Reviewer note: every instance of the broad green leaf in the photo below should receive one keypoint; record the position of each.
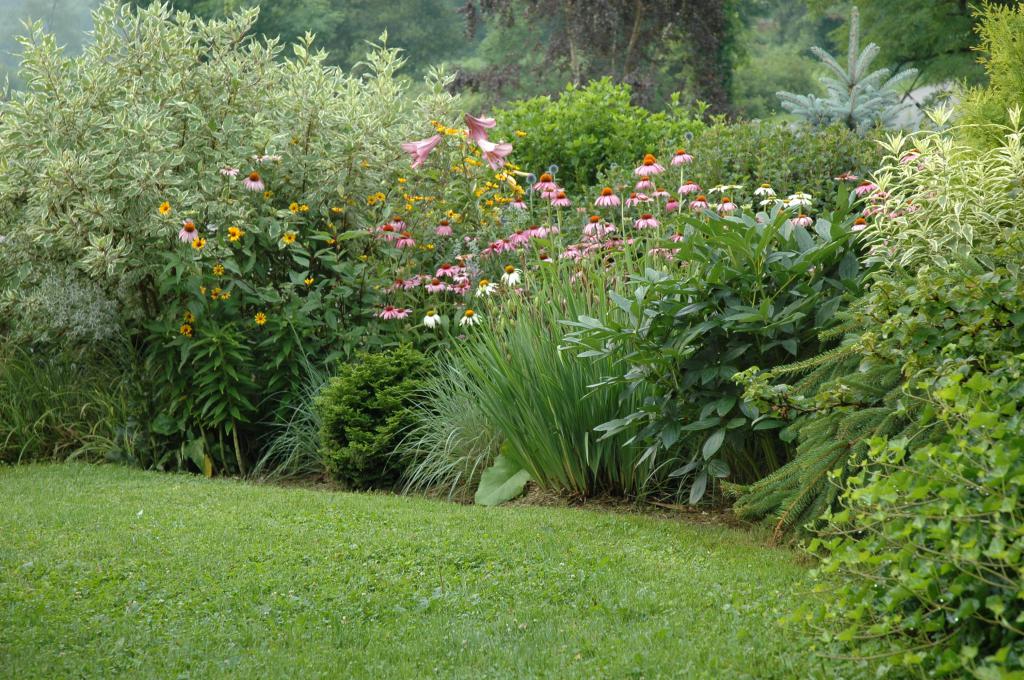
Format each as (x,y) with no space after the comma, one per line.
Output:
(501,482)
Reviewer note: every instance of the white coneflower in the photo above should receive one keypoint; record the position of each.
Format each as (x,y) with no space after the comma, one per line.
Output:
(469,318)
(764,190)
(432,319)
(722,188)
(799,199)
(485,287)
(512,276)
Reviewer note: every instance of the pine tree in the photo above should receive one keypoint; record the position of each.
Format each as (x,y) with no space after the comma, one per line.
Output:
(849,397)
(856,97)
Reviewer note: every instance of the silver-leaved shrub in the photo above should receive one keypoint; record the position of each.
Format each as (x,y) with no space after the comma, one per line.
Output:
(157,104)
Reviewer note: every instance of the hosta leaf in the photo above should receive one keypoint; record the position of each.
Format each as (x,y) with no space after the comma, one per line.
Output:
(501,482)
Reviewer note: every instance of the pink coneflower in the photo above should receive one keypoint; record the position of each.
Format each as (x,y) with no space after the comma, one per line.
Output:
(865,187)
(494,153)
(846,177)
(188,232)
(666,253)
(517,203)
(461,285)
(413,282)
(406,240)
(561,200)
(545,183)
(910,156)
(435,285)
(649,167)
(519,237)
(419,150)
(636,199)
(444,228)
(672,205)
(646,221)
(644,185)
(390,313)
(802,220)
(659,193)
(681,157)
(448,270)
(536,231)
(570,253)
(859,224)
(593,226)
(726,206)
(543,256)
(700,203)
(688,187)
(387,232)
(229,171)
(607,199)
(676,237)
(478,127)
(550,194)
(252,182)
(398,223)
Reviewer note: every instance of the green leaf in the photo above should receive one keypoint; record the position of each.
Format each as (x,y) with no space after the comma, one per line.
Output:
(713,443)
(501,482)
(700,484)
(718,468)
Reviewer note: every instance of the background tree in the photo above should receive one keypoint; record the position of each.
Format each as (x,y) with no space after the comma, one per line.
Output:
(937,37)
(684,45)
(429,31)
(67,19)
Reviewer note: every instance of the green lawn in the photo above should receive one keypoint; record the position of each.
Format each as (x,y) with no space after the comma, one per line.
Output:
(107,571)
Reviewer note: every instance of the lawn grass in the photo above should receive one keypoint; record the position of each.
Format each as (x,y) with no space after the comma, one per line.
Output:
(106,571)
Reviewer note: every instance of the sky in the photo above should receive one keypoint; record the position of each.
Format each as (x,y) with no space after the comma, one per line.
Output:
(68,19)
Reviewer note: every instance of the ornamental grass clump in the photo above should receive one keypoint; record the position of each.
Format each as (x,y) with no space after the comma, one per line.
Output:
(511,388)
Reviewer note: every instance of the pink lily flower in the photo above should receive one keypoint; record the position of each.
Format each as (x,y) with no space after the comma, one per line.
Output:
(419,150)
(478,127)
(494,154)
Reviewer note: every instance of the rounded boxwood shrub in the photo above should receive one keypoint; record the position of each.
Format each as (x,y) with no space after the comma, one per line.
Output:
(364,411)
(586,130)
